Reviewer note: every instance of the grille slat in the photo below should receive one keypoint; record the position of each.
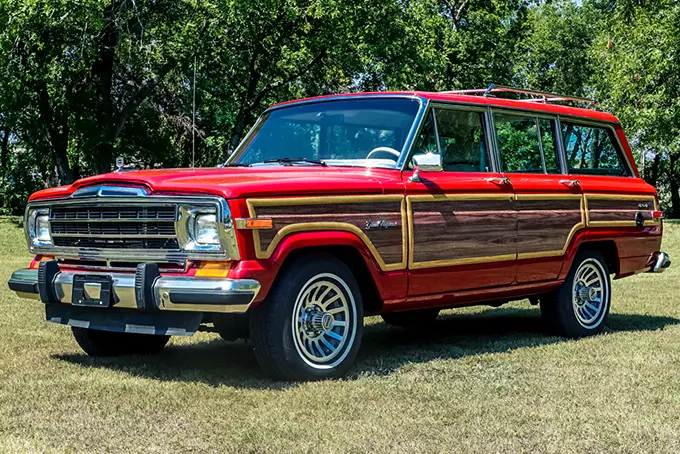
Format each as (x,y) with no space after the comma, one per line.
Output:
(166,244)
(115,227)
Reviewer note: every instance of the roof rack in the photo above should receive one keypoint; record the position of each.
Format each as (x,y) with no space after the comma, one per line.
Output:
(536,96)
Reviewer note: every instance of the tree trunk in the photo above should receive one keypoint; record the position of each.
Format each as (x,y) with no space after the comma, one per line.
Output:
(4,154)
(242,120)
(675,188)
(58,137)
(654,172)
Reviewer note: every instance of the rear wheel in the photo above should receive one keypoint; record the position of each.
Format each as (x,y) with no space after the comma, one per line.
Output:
(411,319)
(109,343)
(311,323)
(580,306)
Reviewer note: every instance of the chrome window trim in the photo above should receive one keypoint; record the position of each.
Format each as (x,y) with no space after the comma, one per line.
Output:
(560,146)
(421,117)
(228,243)
(540,144)
(407,142)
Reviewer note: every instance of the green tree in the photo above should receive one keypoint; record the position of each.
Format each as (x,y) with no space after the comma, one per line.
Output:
(77,71)
(639,79)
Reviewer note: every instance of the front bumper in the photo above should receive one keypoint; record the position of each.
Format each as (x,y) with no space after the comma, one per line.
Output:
(169,293)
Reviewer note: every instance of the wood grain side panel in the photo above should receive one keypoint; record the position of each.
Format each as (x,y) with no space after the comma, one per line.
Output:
(387,241)
(618,211)
(463,231)
(546,226)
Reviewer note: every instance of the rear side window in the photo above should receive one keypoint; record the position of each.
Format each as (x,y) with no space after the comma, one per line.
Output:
(518,143)
(461,140)
(526,144)
(549,140)
(591,150)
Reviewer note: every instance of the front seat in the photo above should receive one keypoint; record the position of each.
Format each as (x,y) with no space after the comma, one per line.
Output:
(460,158)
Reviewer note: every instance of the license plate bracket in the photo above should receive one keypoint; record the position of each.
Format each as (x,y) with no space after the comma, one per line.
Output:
(91,290)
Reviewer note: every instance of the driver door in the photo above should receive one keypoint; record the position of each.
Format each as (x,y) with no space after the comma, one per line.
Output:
(463,222)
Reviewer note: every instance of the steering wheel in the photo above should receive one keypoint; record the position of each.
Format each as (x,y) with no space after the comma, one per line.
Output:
(385,150)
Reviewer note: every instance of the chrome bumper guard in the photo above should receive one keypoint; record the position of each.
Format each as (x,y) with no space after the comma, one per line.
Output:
(663,261)
(170,293)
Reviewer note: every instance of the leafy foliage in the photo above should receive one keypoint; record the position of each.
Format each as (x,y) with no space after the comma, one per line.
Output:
(84,81)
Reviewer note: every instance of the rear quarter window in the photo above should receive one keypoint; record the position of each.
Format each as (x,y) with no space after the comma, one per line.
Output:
(592,150)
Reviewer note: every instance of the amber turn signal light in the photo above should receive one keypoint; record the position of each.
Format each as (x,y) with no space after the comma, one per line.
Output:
(39,258)
(254,223)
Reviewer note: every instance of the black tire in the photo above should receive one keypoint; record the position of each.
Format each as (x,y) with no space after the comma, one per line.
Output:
(109,343)
(411,319)
(231,327)
(293,351)
(576,309)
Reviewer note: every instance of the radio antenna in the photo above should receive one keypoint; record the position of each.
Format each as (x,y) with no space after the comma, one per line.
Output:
(193,121)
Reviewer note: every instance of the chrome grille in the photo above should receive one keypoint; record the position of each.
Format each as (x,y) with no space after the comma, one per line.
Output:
(124,226)
(118,225)
(129,213)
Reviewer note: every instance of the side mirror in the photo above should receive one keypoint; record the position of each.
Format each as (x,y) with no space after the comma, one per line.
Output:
(428,162)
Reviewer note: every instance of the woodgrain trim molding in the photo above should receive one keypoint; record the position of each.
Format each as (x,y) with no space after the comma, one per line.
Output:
(638,198)
(407,224)
(329,226)
(412,264)
(576,228)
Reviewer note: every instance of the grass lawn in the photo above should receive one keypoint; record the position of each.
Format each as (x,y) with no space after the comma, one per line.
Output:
(485,380)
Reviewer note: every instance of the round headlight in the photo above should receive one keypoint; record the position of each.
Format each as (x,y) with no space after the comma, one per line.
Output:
(205,229)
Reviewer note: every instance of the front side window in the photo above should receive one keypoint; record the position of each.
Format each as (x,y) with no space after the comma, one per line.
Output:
(361,132)
(591,150)
(462,141)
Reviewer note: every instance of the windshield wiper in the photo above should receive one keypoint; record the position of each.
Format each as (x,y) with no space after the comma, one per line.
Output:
(237,164)
(291,161)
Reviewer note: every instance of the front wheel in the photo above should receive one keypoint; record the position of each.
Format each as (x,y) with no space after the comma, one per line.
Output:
(310,325)
(580,306)
(109,343)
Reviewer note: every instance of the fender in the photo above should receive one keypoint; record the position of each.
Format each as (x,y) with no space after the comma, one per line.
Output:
(391,285)
(632,246)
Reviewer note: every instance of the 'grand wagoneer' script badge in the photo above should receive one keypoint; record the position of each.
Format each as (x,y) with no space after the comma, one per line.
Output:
(381,224)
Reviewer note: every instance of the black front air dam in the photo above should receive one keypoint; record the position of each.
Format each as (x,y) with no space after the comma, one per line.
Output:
(125,320)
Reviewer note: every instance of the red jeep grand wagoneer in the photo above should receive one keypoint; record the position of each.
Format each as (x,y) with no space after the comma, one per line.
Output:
(332,208)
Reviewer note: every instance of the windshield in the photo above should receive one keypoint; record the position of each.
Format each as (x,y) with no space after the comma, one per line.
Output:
(354,132)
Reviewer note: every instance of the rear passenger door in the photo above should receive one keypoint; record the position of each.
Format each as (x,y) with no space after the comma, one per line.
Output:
(548,203)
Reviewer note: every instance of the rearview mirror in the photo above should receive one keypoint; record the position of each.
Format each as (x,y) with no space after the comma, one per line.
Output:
(428,162)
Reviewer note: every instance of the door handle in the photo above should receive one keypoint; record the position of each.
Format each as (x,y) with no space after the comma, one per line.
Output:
(570,183)
(499,181)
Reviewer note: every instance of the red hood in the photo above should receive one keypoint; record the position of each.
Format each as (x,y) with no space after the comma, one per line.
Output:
(246,182)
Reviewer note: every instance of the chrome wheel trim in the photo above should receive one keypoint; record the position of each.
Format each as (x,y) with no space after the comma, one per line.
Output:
(590,293)
(323,343)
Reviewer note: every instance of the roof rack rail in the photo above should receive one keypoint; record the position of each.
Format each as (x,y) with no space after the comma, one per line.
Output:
(537,96)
